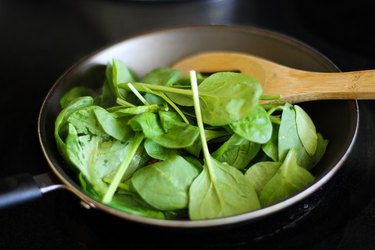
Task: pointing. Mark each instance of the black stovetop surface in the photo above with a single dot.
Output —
(41, 39)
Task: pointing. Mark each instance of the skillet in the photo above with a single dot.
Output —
(337, 120)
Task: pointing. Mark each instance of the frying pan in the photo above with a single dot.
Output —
(336, 120)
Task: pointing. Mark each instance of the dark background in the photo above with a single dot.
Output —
(39, 40)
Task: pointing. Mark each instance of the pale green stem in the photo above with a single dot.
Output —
(137, 94)
(140, 86)
(274, 109)
(124, 103)
(174, 106)
(270, 97)
(198, 114)
(149, 88)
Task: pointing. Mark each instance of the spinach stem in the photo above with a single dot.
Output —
(198, 114)
(137, 94)
(173, 105)
(270, 97)
(124, 103)
(148, 88)
(134, 144)
(141, 86)
(274, 109)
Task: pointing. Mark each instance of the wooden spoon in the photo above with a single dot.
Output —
(293, 85)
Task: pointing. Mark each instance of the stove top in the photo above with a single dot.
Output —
(40, 40)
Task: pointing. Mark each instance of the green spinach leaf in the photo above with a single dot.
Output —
(167, 129)
(261, 172)
(157, 151)
(165, 184)
(270, 148)
(132, 203)
(237, 151)
(227, 97)
(220, 190)
(256, 127)
(306, 130)
(289, 179)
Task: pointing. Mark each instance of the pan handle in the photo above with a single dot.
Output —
(22, 188)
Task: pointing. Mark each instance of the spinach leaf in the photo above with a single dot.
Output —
(307, 161)
(289, 179)
(162, 76)
(154, 99)
(237, 152)
(85, 122)
(116, 72)
(261, 172)
(220, 190)
(288, 135)
(131, 111)
(90, 149)
(164, 185)
(126, 162)
(167, 129)
(226, 97)
(61, 124)
(256, 127)
(306, 130)
(76, 92)
(94, 156)
(157, 151)
(133, 204)
(290, 138)
(112, 125)
(270, 148)
(168, 77)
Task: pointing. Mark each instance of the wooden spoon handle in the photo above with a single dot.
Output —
(297, 86)
(292, 84)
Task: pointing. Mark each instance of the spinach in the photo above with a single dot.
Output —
(261, 172)
(163, 76)
(220, 190)
(123, 167)
(157, 151)
(256, 127)
(116, 72)
(270, 148)
(237, 151)
(130, 202)
(225, 96)
(129, 111)
(300, 135)
(165, 128)
(288, 180)
(75, 92)
(94, 156)
(165, 184)
(112, 125)
(223, 101)
(61, 124)
(143, 146)
(306, 130)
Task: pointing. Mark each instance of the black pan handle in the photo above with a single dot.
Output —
(22, 188)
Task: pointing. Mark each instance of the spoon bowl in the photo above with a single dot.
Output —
(292, 85)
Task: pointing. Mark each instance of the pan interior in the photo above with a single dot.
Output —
(336, 120)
